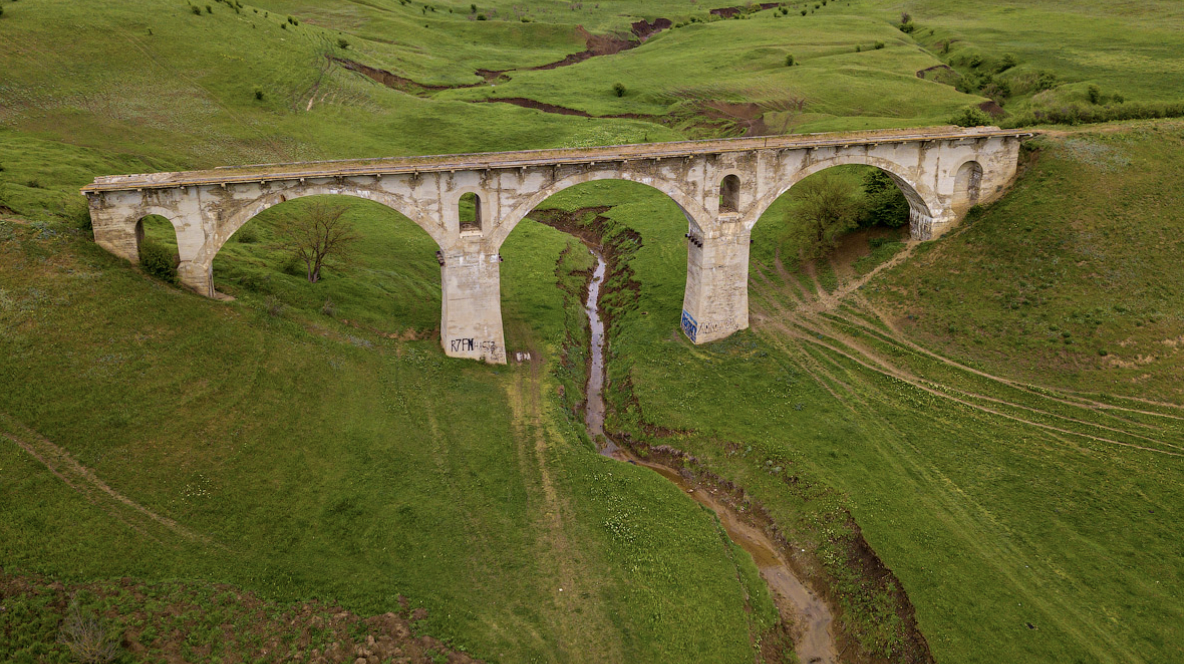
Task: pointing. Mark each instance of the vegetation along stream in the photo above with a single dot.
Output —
(799, 605)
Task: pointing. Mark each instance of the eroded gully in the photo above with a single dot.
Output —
(799, 606)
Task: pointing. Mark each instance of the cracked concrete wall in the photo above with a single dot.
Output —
(207, 213)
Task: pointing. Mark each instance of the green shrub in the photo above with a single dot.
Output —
(803, 12)
(472, 9)
(1094, 94)
(258, 95)
(619, 88)
(789, 60)
(158, 261)
(480, 17)
(209, 9)
(879, 45)
(884, 203)
(1006, 63)
(342, 43)
(196, 10)
(248, 234)
(971, 116)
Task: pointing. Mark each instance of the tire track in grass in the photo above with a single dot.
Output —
(84, 481)
(1043, 391)
(820, 329)
(963, 515)
(811, 319)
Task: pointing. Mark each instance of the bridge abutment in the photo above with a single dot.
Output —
(471, 317)
(716, 300)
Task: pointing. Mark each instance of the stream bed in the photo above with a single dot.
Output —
(800, 606)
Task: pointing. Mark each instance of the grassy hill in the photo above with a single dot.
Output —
(998, 413)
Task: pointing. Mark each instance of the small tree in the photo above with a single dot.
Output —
(317, 236)
(86, 637)
(884, 203)
(826, 208)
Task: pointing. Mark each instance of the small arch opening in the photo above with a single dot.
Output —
(469, 212)
(156, 245)
(967, 186)
(729, 194)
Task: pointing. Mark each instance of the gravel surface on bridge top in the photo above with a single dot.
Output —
(524, 158)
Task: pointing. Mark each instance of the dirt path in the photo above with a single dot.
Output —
(87, 483)
(585, 632)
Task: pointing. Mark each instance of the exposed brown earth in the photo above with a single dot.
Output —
(729, 12)
(157, 622)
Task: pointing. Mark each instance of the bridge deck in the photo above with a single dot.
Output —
(524, 158)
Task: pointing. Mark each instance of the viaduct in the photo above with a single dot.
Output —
(722, 186)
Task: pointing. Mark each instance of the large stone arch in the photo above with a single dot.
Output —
(236, 219)
(696, 215)
(924, 203)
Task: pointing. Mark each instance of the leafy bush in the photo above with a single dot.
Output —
(1094, 94)
(789, 60)
(879, 45)
(196, 10)
(619, 88)
(971, 116)
(1074, 115)
(258, 94)
(1006, 63)
(342, 43)
(158, 261)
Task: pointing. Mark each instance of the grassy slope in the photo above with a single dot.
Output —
(183, 97)
(1005, 508)
(329, 462)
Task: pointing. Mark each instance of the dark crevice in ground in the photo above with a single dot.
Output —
(561, 110)
(864, 575)
(729, 12)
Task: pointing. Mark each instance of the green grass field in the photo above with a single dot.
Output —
(999, 413)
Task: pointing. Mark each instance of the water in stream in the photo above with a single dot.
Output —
(799, 605)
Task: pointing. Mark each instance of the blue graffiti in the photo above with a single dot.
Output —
(689, 325)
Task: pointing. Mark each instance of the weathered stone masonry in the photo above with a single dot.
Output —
(722, 186)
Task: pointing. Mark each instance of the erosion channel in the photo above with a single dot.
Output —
(800, 606)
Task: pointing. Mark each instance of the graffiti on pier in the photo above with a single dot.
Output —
(689, 326)
(468, 344)
(723, 326)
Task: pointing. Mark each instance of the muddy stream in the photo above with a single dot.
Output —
(800, 606)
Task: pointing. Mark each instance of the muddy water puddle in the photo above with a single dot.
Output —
(799, 605)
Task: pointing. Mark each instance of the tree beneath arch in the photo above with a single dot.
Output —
(826, 208)
(319, 235)
(884, 203)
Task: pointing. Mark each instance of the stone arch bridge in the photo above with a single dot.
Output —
(722, 186)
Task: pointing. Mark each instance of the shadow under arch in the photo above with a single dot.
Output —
(391, 285)
(691, 209)
(922, 201)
